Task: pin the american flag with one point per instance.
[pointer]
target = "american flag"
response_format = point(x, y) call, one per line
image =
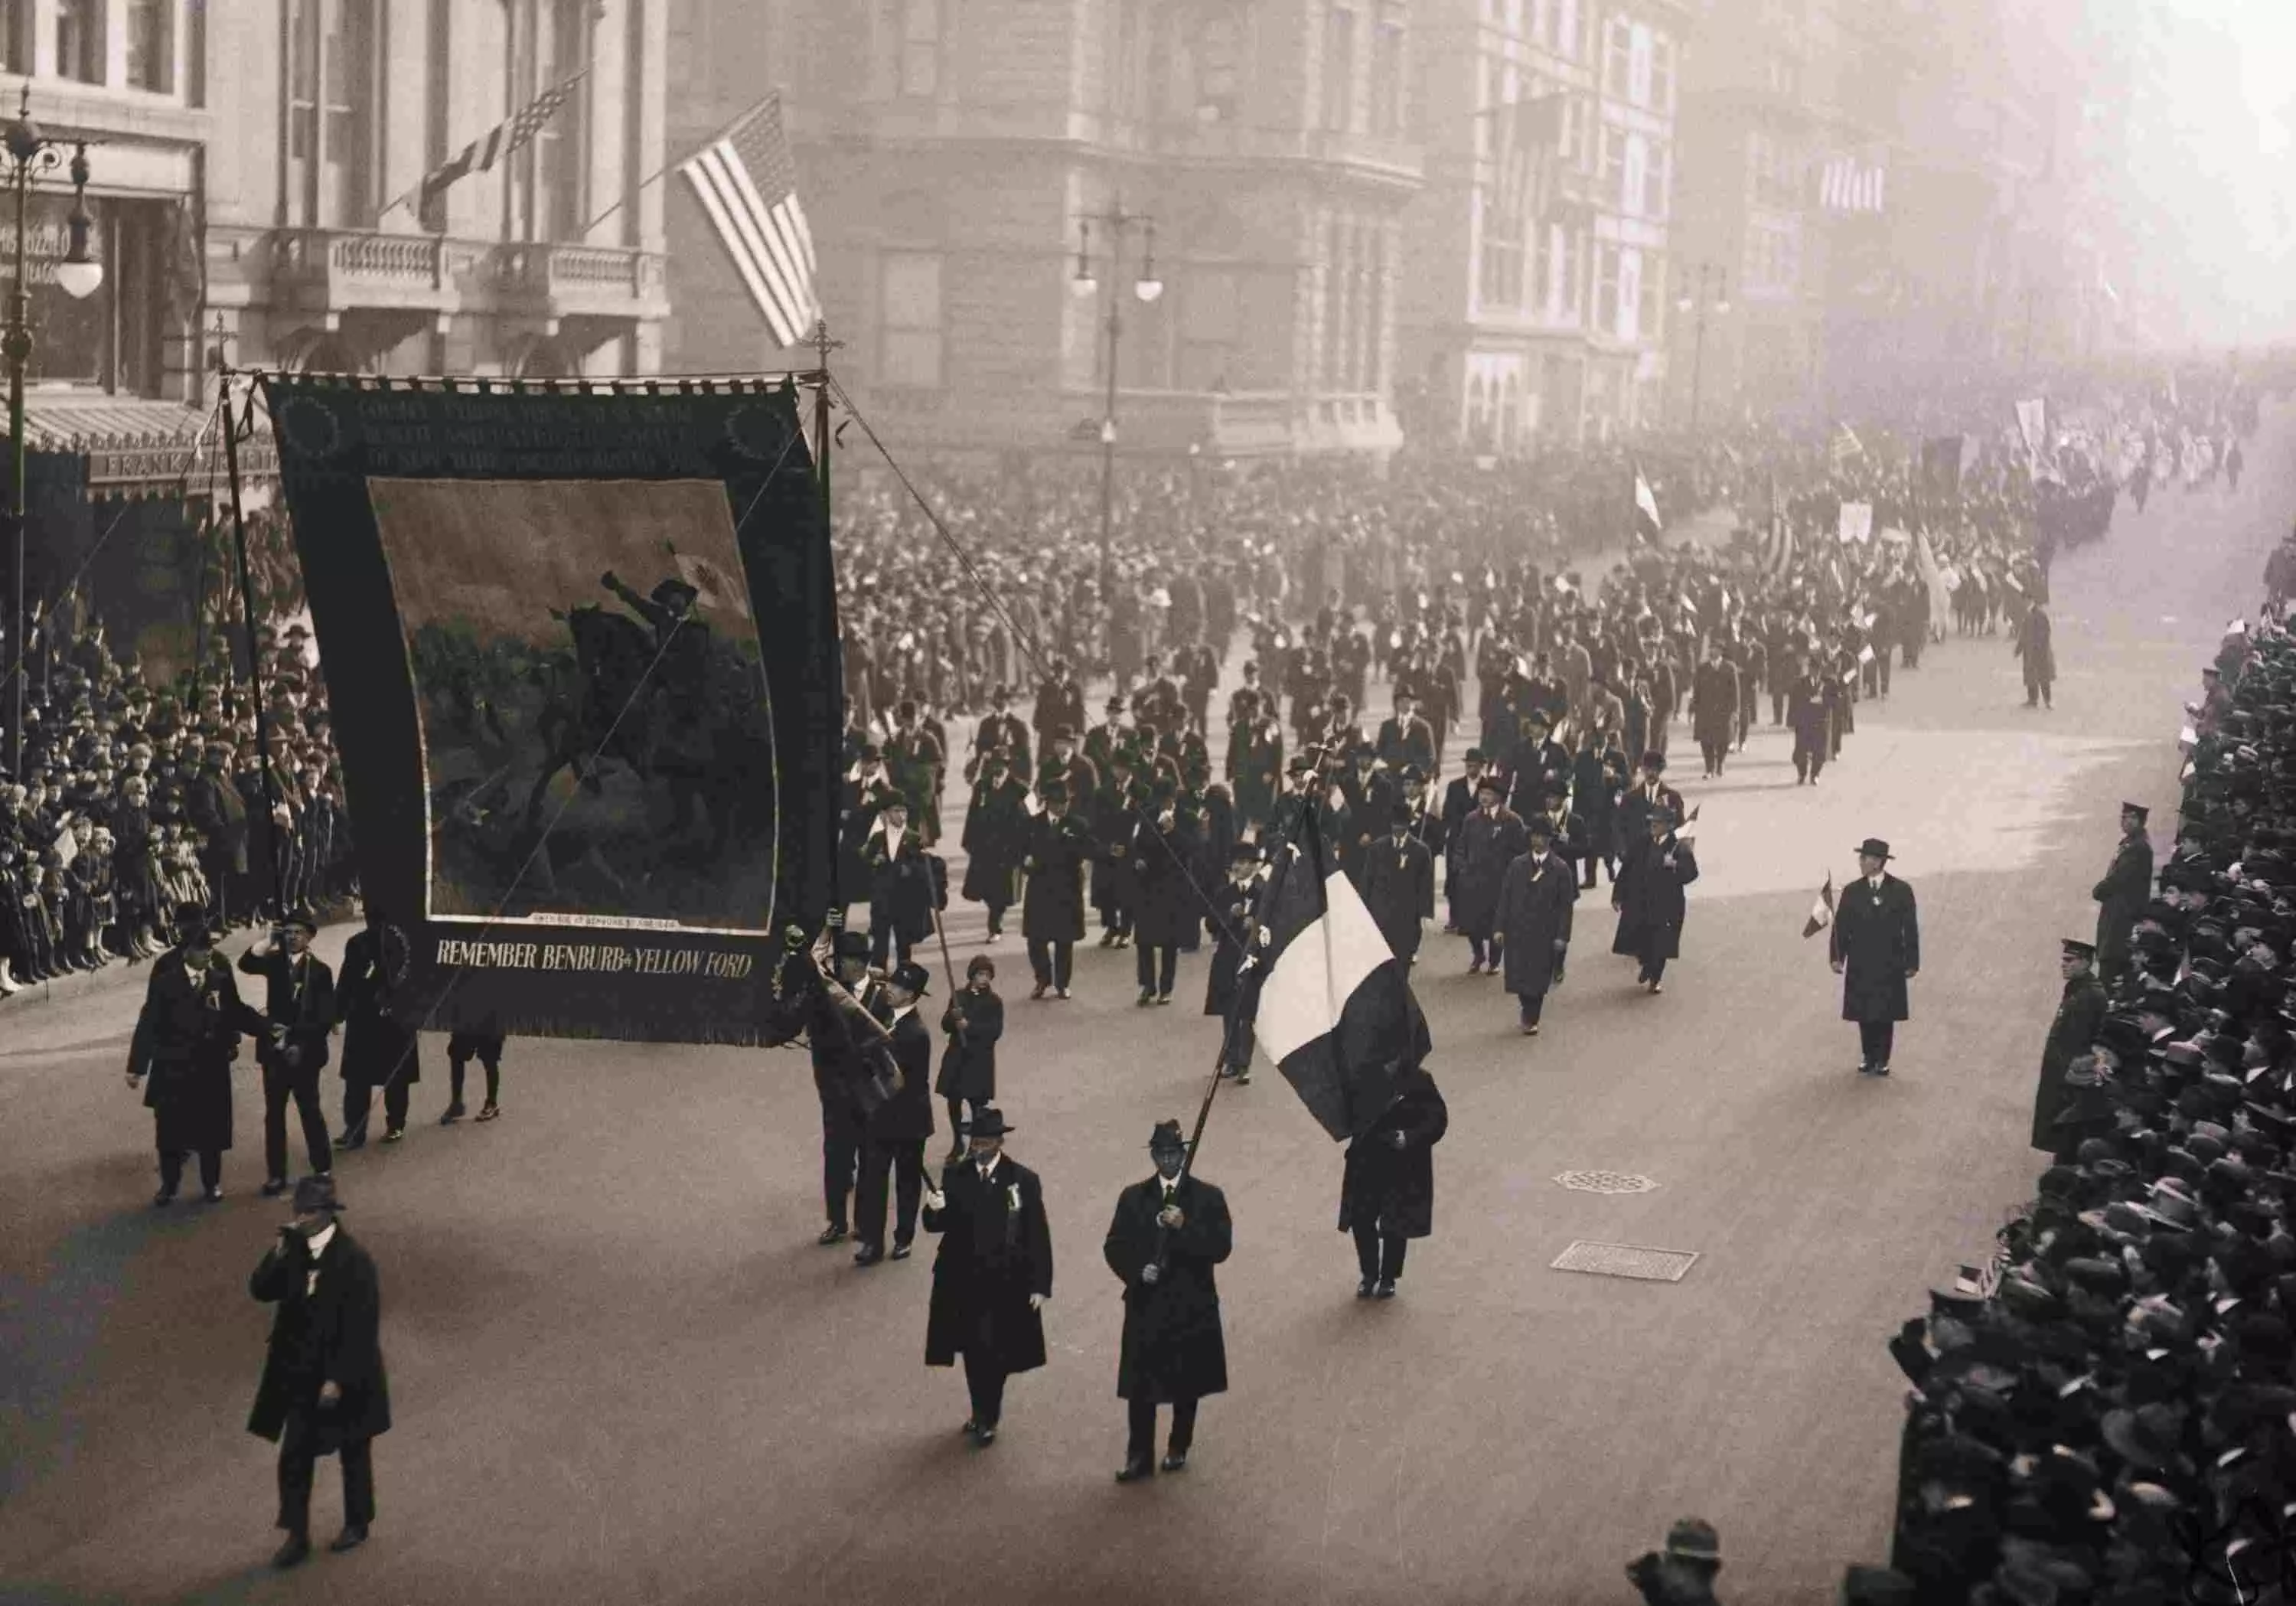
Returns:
point(1849, 184)
point(747, 183)
point(482, 153)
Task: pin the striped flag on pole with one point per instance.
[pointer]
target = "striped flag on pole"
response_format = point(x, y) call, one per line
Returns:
point(1646, 520)
point(1849, 184)
point(1821, 909)
point(746, 181)
point(481, 154)
point(1336, 1012)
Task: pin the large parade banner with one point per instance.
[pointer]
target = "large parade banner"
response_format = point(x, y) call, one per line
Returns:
point(581, 653)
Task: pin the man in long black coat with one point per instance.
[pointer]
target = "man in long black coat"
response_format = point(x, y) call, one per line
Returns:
point(1230, 992)
point(376, 1048)
point(297, 1018)
point(904, 886)
point(993, 1274)
point(185, 1040)
point(840, 1066)
point(899, 1129)
point(1458, 802)
point(1167, 1235)
point(1399, 884)
point(1876, 943)
point(1491, 838)
point(996, 836)
point(1649, 897)
point(1535, 908)
point(1386, 1193)
point(1811, 716)
point(2080, 1013)
point(323, 1389)
point(2123, 893)
point(1052, 903)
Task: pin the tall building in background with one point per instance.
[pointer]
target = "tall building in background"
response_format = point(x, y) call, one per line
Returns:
point(1539, 249)
point(323, 113)
point(950, 157)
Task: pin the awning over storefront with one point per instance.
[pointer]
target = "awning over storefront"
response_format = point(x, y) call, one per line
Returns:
point(136, 445)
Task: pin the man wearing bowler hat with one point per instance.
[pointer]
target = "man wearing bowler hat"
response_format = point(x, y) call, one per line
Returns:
point(1876, 944)
point(2080, 1013)
point(993, 1274)
point(2123, 893)
point(185, 1040)
point(1167, 1235)
point(1683, 1573)
point(899, 1129)
point(324, 1391)
point(298, 1016)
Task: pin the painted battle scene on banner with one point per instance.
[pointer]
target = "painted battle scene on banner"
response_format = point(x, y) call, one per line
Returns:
point(597, 738)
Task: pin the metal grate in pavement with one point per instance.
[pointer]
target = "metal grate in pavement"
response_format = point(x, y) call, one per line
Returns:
point(1606, 1182)
point(1625, 1260)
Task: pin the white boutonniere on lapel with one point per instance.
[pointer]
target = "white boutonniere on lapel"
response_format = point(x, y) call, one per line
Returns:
point(1012, 1193)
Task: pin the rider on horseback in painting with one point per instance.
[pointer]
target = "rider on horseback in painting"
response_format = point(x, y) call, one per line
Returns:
point(681, 647)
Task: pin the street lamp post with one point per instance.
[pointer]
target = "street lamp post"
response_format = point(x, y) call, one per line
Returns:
point(1117, 223)
point(30, 153)
point(1704, 289)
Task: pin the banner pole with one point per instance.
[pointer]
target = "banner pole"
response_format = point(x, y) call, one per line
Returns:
point(254, 658)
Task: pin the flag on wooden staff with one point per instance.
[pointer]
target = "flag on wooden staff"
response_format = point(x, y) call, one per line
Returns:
point(746, 181)
point(1646, 520)
point(1821, 909)
point(482, 153)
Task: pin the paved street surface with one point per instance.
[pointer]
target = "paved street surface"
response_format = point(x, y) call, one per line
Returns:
point(622, 1372)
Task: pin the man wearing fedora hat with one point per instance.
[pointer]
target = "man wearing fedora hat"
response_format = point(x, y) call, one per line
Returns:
point(1167, 1235)
point(993, 1273)
point(185, 1040)
point(1650, 898)
point(2123, 893)
point(324, 1390)
point(899, 1128)
point(1876, 943)
point(291, 1032)
point(1683, 1573)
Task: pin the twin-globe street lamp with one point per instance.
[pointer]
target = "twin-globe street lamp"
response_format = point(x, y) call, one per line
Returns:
point(1149, 288)
point(30, 153)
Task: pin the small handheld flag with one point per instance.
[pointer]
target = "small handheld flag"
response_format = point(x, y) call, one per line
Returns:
point(1647, 524)
point(1821, 909)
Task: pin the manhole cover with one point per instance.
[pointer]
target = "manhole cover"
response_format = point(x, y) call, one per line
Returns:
point(1624, 1260)
point(1606, 1182)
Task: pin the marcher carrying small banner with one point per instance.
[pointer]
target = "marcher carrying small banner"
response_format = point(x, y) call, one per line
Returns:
point(585, 782)
point(1821, 909)
point(1335, 1010)
point(1646, 524)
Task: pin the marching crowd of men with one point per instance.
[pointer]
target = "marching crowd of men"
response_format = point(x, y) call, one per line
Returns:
point(2105, 1414)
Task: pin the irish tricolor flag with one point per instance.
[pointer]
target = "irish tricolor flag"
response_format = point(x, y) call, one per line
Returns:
point(1821, 909)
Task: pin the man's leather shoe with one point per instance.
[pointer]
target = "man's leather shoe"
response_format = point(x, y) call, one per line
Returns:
point(868, 1257)
point(982, 1437)
point(163, 1199)
point(1135, 1470)
point(353, 1535)
point(1386, 1289)
point(1176, 1462)
point(454, 1113)
point(900, 1251)
point(831, 1235)
point(292, 1553)
point(1364, 1288)
point(275, 1187)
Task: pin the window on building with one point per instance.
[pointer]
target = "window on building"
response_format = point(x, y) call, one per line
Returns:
point(921, 47)
point(1542, 23)
point(1783, 73)
point(1617, 56)
point(1612, 151)
point(909, 320)
point(1661, 75)
point(16, 37)
point(1501, 269)
point(1630, 295)
point(1634, 190)
point(1606, 287)
point(1387, 76)
point(151, 44)
point(1339, 69)
point(1127, 67)
point(1659, 191)
point(1775, 170)
point(1217, 70)
point(1210, 321)
point(79, 40)
point(1566, 30)
point(329, 118)
point(1650, 321)
point(1638, 65)
point(1370, 304)
point(1336, 283)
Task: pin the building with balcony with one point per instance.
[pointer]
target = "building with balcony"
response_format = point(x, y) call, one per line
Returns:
point(948, 173)
point(326, 115)
point(1538, 250)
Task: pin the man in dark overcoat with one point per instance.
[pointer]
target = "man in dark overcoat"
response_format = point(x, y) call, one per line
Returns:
point(1649, 897)
point(1458, 802)
point(2123, 893)
point(1387, 1192)
point(1876, 943)
point(185, 1040)
point(840, 1063)
point(2031, 641)
point(1648, 793)
point(1491, 838)
point(993, 1274)
point(324, 1390)
point(1812, 718)
point(974, 1022)
point(291, 1032)
point(1167, 1235)
point(1714, 708)
point(376, 1048)
point(995, 829)
point(1163, 846)
point(899, 1129)
point(2080, 1014)
point(1052, 903)
point(1399, 884)
point(1230, 992)
point(903, 888)
point(1536, 900)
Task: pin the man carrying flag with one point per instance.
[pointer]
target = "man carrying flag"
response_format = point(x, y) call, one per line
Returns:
point(1337, 1016)
point(1876, 949)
